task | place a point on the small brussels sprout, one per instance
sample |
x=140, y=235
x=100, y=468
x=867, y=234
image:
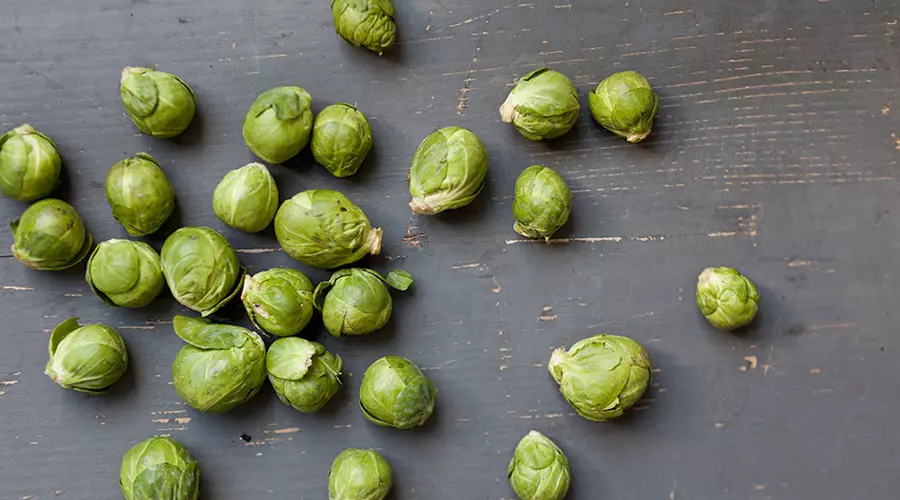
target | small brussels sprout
x=542, y=202
x=323, y=228
x=50, y=236
x=543, y=105
x=304, y=375
x=246, y=198
x=221, y=367
x=201, y=269
x=624, y=104
x=356, y=302
x=159, y=468
x=447, y=172
x=88, y=358
x=341, y=139
x=29, y=164
x=365, y=23
x=359, y=475
x=125, y=273
x=160, y=104
x=278, y=124
x=727, y=299
x=279, y=301
x=601, y=376
x=139, y=194
x=395, y=393
x=539, y=470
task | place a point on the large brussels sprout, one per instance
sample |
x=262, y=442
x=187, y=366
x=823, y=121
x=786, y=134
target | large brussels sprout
x=539, y=470
x=625, y=104
x=365, y=23
x=395, y=393
x=87, y=358
x=543, y=105
x=323, y=228
x=727, y=299
x=341, y=139
x=279, y=301
x=139, y=194
x=201, y=269
x=278, y=124
x=356, y=302
x=125, y=273
x=359, y=475
x=29, y=164
x=50, y=236
x=246, y=198
x=304, y=375
x=542, y=202
x=447, y=171
x=221, y=367
x=159, y=468
x=160, y=104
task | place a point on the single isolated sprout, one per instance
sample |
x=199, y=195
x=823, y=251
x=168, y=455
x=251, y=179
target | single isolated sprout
x=543, y=105
x=159, y=468
x=88, y=358
x=601, y=376
x=365, y=23
x=160, y=104
x=356, y=301
x=341, y=139
x=727, y=299
x=125, y=273
x=359, y=475
x=304, y=375
x=447, y=172
x=29, y=164
x=278, y=124
x=246, y=198
x=279, y=301
x=139, y=194
x=50, y=236
x=625, y=104
x=539, y=470
x=395, y=393
x=542, y=202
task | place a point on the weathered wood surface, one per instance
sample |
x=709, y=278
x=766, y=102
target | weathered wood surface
x=775, y=151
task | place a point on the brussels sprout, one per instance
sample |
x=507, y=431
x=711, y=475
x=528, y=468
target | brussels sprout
x=601, y=376
x=395, y=393
x=359, y=475
x=278, y=124
x=447, y=171
x=125, y=273
x=542, y=202
x=278, y=301
x=543, y=105
x=356, y=302
x=625, y=104
x=323, y=228
x=365, y=23
x=341, y=139
x=160, y=104
x=201, y=269
x=159, y=468
x=139, y=194
x=221, y=367
x=304, y=375
x=246, y=198
x=727, y=299
x=29, y=164
x=50, y=236
x=539, y=470
x=87, y=358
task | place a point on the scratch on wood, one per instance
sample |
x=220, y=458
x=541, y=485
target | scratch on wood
x=258, y=250
x=677, y=12
x=462, y=101
x=547, y=314
x=16, y=288
x=136, y=327
x=597, y=239
x=270, y=56
x=414, y=236
x=467, y=266
x=8, y=382
x=286, y=430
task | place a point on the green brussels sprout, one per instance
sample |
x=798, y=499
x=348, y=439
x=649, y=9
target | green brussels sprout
x=160, y=104
x=365, y=23
x=29, y=164
x=125, y=273
x=542, y=202
x=727, y=299
x=539, y=470
x=395, y=393
x=88, y=358
x=323, y=228
x=447, y=172
x=359, y=475
x=159, y=468
x=246, y=198
x=201, y=269
x=278, y=301
x=341, y=139
x=625, y=104
x=278, y=124
x=50, y=236
x=356, y=302
x=304, y=375
x=601, y=376
x=543, y=105
x=221, y=367
x=139, y=194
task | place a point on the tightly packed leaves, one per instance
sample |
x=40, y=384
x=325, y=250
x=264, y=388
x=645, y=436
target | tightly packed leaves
x=139, y=194
x=543, y=105
x=359, y=475
x=539, y=470
x=542, y=202
x=304, y=375
x=87, y=358
x=727, y=299
x=395, y=393
x=625, y=104
x=159, y=468
x=365, y=23
x=29, y=164
x=125, y=273
x=356, y=301
x=341, y=139
x=278, y=124
x=50, y=236
x=160, y=104
x=246, y=198
x=279, y=301
x=447, y=172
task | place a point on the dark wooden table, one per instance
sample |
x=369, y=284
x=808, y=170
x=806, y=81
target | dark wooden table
x=775, y=151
